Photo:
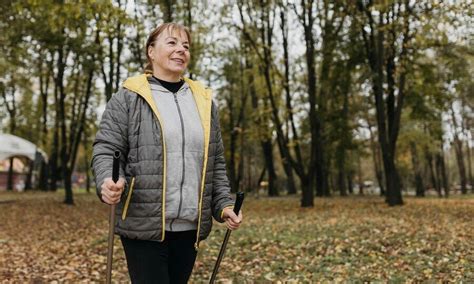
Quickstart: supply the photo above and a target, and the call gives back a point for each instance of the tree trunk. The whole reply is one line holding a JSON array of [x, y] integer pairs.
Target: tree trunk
[[350, 183], [315, 157], [380, 50], [359, 176], [345, 136], [290, 182], [250, 185], [236, 131], [458, 149], [270, 165], [469, 166], [307, 196], [86, 142], [12, 110], [53, 159], [394, 194], [341, 180], [240, 175], [330, 32], [43, 177], [289, 107], [234, 175], [376, 157], [442, 169], [420, 188], [265, 142], [167, 9], [434, 178], [88, 176], [465, 128], [68, 187], [234, 182]]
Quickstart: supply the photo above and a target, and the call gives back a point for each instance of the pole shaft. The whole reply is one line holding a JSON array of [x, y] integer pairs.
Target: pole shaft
[[238, 204], [221, 255], [110, 252]]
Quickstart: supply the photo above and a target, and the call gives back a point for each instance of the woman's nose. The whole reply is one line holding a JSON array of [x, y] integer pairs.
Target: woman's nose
[[181, 48]]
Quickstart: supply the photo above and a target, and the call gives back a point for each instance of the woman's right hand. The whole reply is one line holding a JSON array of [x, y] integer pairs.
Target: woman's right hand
[[111, 191]]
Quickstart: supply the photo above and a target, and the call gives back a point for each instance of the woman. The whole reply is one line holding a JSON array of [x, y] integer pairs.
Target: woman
[[172, 175]]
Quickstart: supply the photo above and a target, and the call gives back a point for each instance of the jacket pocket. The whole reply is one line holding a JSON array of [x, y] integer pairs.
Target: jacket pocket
[[129, 197]]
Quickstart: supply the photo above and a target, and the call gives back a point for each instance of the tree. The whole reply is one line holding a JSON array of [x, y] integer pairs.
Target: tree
[[388, 36]]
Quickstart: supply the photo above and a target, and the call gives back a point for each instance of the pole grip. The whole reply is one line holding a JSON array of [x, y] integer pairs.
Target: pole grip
[[238, 202], [115, 167]]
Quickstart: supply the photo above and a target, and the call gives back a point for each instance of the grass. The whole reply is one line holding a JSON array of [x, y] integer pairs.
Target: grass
[[340, 239]]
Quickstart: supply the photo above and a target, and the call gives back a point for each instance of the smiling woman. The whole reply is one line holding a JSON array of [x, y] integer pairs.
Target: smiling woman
[[173, 178], [168, 52]]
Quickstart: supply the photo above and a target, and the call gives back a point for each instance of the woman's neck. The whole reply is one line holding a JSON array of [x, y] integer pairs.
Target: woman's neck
[[167, 77]]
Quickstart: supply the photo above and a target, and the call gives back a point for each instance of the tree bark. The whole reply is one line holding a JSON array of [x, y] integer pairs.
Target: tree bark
[[64, 155], [308, 181], [359, 176], [289, 107], [350, 183], [469, 166], [458, 149], [376, 157], [434, 178], [265, 142], [442, 169], [44, 175], [420, 188], [11, 109], [388, 107]]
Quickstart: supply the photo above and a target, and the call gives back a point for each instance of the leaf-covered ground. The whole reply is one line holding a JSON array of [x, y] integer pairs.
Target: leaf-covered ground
[[356, 238]]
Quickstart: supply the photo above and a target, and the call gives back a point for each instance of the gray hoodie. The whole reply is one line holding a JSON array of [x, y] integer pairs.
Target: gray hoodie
[[184, 138]]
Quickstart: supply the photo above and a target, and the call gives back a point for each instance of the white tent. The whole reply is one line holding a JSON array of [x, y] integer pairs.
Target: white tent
[[11, 145]]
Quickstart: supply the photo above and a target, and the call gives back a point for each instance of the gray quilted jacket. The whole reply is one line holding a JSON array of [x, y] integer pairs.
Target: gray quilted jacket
[[131, 124]]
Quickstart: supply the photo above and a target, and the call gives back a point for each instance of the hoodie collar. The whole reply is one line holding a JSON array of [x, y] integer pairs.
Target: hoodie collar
[[157, 86]]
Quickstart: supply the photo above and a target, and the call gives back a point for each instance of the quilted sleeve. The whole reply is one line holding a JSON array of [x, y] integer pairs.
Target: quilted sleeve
[[221, 197], [111, 136]]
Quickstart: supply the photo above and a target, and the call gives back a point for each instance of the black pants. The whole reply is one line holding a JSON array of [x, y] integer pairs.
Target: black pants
[[170, 261]]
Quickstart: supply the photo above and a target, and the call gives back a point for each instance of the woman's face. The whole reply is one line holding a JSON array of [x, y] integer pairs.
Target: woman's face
[[170, 54]]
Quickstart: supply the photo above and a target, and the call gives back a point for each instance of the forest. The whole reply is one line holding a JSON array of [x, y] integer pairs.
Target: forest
[[317, 98], [348, 124]]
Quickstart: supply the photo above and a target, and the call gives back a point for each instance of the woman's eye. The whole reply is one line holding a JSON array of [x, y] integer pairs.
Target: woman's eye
[[171, 42], [186, 46]]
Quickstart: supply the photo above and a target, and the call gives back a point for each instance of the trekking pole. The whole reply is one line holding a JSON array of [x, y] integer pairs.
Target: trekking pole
[[110, 252], [238, 204]]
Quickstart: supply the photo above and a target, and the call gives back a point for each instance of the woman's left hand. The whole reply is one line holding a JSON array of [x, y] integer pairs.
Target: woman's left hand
[[232, 221]]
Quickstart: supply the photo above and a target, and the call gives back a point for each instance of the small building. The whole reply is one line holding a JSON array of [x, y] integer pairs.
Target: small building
[[27, 158]]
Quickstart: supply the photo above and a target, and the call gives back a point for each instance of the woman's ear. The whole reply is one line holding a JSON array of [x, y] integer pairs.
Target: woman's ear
[[150, 52]]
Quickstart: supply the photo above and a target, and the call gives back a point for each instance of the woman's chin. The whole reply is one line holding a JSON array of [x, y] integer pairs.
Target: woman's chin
[[177, 70]]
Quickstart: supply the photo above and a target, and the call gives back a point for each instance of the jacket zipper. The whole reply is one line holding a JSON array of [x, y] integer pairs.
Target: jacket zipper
[[129, 197], [184, 162]]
